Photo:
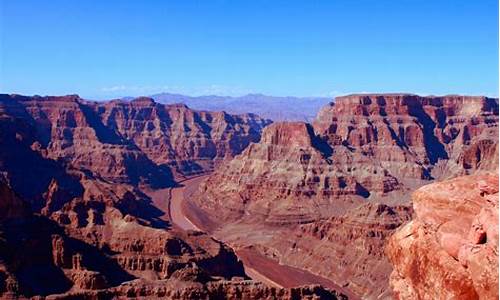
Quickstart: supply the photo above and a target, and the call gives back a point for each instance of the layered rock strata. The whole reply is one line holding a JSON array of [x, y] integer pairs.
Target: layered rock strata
[[416, 137], [130, 141], [139, 143], [188, 141]]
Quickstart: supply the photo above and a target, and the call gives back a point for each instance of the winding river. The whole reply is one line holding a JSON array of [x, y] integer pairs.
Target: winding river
[[257, 266]]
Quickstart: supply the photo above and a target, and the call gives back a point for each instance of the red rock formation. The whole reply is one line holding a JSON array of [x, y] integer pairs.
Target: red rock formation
[[141, 133], [68, 130], [189, 141], [121, 258], [186, 290], [415, 137], [289, 177], [299, 195], [375, 148], [138, 143], [94, 250], [450, 249]]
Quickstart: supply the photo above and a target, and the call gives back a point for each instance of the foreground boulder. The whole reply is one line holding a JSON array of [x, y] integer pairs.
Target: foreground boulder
[[450, 249]]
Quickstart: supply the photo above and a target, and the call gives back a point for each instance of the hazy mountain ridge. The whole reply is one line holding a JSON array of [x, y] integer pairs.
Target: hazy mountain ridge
[[273, 107]]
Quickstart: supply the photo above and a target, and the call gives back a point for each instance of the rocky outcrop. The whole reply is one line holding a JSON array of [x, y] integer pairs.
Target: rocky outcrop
[[113, 138], [450, 249], [67, 129], [373, 146], [89, 248], [376, 148], [321, 197], [118, 257], [185, 290]]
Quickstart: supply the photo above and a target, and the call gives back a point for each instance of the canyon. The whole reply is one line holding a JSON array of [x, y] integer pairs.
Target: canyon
[[134, 198], [325, 197], [80, 183]]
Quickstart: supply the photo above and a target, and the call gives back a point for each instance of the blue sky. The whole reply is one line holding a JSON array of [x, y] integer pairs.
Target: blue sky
[[106, 49]]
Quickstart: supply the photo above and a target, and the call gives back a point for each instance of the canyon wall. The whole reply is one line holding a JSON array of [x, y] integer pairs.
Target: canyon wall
[[139, 143]]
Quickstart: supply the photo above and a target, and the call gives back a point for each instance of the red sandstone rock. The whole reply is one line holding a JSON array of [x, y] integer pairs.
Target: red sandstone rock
[[416, 132], [290, 177], [450, 249], [361, 146]]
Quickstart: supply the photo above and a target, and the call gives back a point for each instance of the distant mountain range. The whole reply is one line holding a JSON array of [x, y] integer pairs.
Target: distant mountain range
[[271, 107]]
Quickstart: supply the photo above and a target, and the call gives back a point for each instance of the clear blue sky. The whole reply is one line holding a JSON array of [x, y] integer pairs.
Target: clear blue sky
[[104, 49]]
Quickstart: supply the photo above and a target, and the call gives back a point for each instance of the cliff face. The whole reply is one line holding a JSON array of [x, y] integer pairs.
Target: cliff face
[[375, 148], [323, 197], [188, 141], [290, 177], [67, 129], [416, 137], [450, 249], [110, 138], [353, 243], [360, 147]]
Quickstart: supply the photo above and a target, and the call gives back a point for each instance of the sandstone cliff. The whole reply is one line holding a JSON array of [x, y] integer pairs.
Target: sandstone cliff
[[378, 146], [323, 197], [450, 249]]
